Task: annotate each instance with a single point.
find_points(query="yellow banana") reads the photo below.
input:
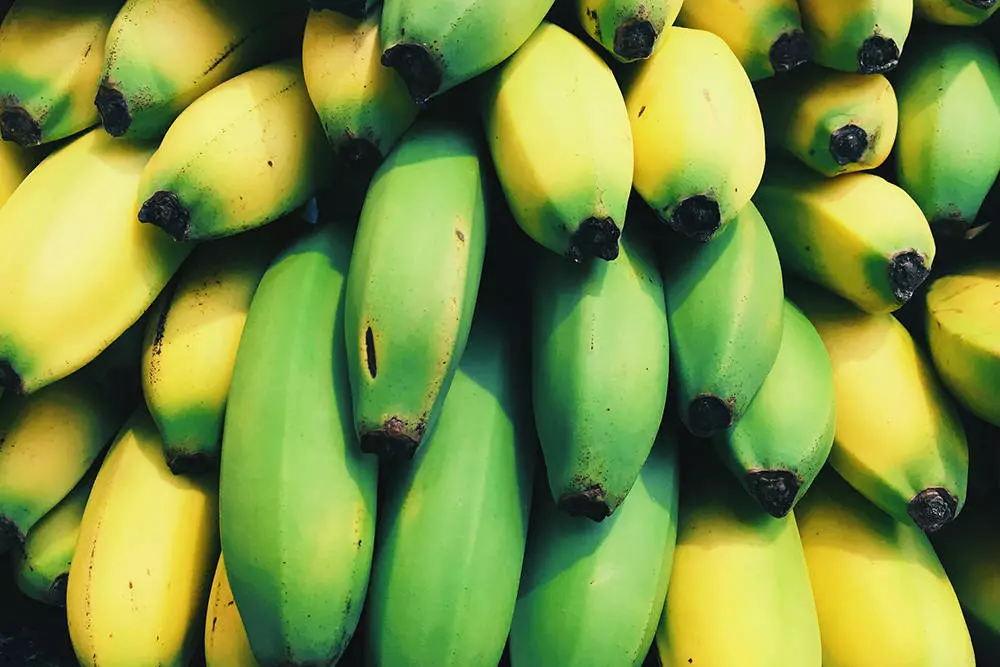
(955, 12)
(864, 36)
(148, 546)
(627, 29)
(226, 642)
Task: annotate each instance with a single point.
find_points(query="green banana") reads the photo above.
(437, 44)
(948, 147)
(453, 521)
(724, 307)
(297, 497)
(591, 593)
(779, 445)
(627, 29)
(857, 235)
(601, 356)
(955, 12)
(412, 285)
(864, 36)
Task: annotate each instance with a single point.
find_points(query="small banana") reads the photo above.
(627, 29)
(864, 36)
(955, 12)
(226, 642)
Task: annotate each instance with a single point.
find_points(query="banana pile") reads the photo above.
(324, 339)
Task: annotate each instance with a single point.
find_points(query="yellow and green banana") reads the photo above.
(864, 36)
(627, 29)
(226, 642)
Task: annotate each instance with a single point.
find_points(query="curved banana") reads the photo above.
(857, 235)
(161, 55)
(567, 177)
(725, 310)
(739, 590)
(191, 341)
(16, 162)
(140, 579)
(226, 642)
(75, 269)
(864, 36)
(412, 286)
(50, 64)
(963, 334)
(779, 445)
(591, 594)
(600, 364)
(240, 156)
(948, 148)
(627, 29)
(881, 594)
(955, 12)
(766, 35)
(453, 522)
(364, 107)
(691, 105)
(898, 438)
(834, 122)
(297, 496)
(437, 44)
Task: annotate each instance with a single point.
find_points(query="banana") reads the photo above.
(627, 29)
(591, 593)
(766, 35)
(725, 311)
(161, 55)
(246, 152)
(412, 285)
(191, 341)
(739, 590)
(50, 63)
(41, 564)
(955, 12)
(898, 438)
(437, 44)
(881, 594)
(566, 176)
(600, 364)
(297, 496)
(454, 520)
(357, 9)
(857, 235)
(948, 148)
(16, 162)
(697, 132)
(963, 334)
(834, 122)
(226, 642)
(779, 445)
(364, 107)
(863, 36)
(75, 269)
(139, 582)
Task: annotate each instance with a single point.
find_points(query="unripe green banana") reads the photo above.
(948, 148)
(955, 12)
(724, 306)
(591, 593)
(835, 122)
(857, 235)
(779, 445)
(297, 496)
(437, 44)
(407, 320)
(627, 29)
(864, 36)
(600, 364)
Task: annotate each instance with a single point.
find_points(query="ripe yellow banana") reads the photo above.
(16, 162)
(864, 36)
(139, 584)
(766, 35)
(955, 12)
(76, 270)
(50, 63)
(226, 642)
(243, 154)
(881, 594)
(627, 29)
(567, 176)
(697, 132)
(898, 438)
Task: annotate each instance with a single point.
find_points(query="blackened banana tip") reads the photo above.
(708, 414)
(907, 272)
(57, 590)
(696, 217)
(877, 55)
(113, 110)
(359, 158)
(932, 509)
(591, 503)
(982, 4)
(391, 442)
(848, 144)
(17, 125)
(774, 490)
(164, 209)
(9, 378)
(353, 8)
(192, 463)
(595, 237)
(634, 39)
(789, 51)
(418, 69)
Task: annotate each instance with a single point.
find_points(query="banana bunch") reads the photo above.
(864, 36)
(627, 29)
